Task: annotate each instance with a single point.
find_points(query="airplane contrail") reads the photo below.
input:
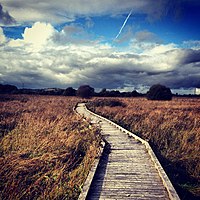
(124, 24)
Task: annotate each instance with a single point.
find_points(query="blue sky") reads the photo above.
(70, 43)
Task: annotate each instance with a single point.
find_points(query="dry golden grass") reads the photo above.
(46, 150)
(171, 127)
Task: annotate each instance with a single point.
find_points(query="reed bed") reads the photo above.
(46, 150)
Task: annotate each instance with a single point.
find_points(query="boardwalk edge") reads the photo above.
(90, 176)
(166, 181)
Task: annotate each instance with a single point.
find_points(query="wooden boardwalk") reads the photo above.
(127, 169)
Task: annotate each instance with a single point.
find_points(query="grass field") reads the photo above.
(46, 150)
(171, 127)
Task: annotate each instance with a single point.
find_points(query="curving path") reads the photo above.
(127, 169)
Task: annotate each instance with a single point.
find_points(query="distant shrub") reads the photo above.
(6, 89)
(85, 91)
(159, 92)
(69, 92)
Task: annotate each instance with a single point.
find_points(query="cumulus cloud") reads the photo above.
(35, 37)
(38, 34)
(44, 61)
(5, 17)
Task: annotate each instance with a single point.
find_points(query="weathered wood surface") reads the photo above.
(125, 170)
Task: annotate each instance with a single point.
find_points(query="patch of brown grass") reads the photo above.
(46, 150)
(171, 127)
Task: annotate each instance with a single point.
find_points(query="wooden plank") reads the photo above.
(127, 168)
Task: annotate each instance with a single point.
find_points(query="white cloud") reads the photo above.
(56, 59)
(38, 34)
(192, 44)
(2, 36)
(150, 48)
(36, 37)
(197, 91)
(160, 49)
(162, 57)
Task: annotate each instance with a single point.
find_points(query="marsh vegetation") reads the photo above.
(46, 150)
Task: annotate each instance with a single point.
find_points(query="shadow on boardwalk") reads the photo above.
(98, 180)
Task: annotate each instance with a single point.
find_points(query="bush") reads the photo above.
(7, 89)
(159, 92)
(69, 92)
(85, 91)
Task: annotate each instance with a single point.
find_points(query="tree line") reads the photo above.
(156, 92)
(84, 91)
